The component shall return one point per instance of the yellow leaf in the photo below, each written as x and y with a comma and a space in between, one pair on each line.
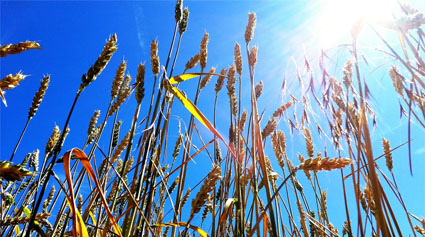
195, 112
87, 166
183, 77
81, 228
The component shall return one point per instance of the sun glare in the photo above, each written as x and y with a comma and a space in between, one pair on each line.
337, 18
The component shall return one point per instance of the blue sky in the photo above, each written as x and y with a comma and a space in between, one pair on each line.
72, 34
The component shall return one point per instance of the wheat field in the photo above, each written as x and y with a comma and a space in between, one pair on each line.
183, 142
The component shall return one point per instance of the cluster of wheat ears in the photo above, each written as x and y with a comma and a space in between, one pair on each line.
139, 190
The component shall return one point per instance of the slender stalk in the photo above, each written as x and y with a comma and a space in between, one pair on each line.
20, 139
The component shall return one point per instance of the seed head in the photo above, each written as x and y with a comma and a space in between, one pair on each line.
388, 154
207, 78
220, 80
93, 122
249, 32
119, 77
253, 56
52, 141
38, 97
203, 54
11, 81
397, 80
140, 82
154, 57
183, 22
238, 59
18, 48
178, 10
258, 89
100, 63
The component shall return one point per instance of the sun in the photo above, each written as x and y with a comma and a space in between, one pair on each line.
337, 18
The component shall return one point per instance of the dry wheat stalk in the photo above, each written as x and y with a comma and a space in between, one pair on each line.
207, 77
183, 21
18, 48
388, 154
306, 172
53, 139
302, 219
348, 74
178, 10
238, 59
242, 121
217, 151
140, 83
119, 77
65, 134
38, 97
34, 160
123, 144
177, 147
203, 54
124, 92
154, 58
420, 230
269, 128
116, 133
49, 199
323, 206
231, 89
93, 121
309, 142
317, 164
11, 81
258, 89
220, 80
185, 198
193, 61
100, 63
207, 187
249, 31
253, 56
397, 80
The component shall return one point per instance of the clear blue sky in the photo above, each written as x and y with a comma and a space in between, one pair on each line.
72, 35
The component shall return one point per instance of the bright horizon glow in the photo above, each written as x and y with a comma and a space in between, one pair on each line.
338, 17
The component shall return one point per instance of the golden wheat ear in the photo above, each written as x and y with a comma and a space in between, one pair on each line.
18, 48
